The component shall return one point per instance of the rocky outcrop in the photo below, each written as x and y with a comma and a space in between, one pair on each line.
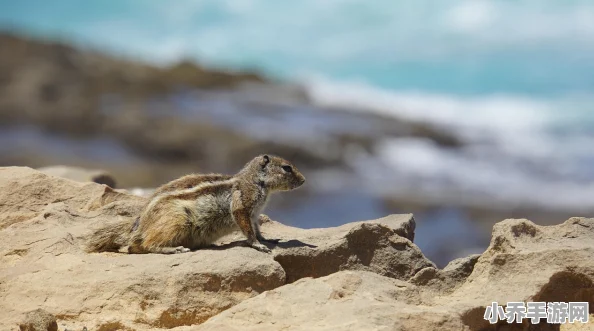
42, 261
45, 220
525, 262
383, 246
140, 116
347, 300
359, 276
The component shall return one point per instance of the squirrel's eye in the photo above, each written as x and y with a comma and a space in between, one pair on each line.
287, 168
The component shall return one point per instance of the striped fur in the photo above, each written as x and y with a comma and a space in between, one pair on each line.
195, 210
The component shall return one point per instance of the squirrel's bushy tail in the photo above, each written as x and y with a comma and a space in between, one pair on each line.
111, 237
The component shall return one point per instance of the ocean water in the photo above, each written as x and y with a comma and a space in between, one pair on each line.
461, 47
514, 79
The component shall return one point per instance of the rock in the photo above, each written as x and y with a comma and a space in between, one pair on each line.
46, 218
81, 174
359, 276
382, 246
528, 262
42, 262
346, 300
525, 262
29, 194
39, 320
450, 277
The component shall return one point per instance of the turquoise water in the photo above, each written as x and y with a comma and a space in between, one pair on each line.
468, 48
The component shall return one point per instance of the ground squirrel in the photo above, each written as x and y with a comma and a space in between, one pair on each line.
195, 210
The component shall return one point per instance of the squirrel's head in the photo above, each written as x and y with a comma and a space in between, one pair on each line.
277, 174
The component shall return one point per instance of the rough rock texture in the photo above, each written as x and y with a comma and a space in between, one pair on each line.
347, 300
26, 194
525, 262
450, 277
360, 246
359, 276
39, 320
42, 262
383, 246
44, 221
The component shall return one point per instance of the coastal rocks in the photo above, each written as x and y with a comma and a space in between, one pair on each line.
382, 246
166, 118
81, 96
100, 73
528, 262
45, 221
448, 278
347, 300
358, 276
29, 194
525, 262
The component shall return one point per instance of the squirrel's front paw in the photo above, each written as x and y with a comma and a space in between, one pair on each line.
260, 247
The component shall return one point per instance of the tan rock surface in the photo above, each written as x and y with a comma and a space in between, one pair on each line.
42, 262
379, 246
525, 262
347, 300
39, 320
370, 276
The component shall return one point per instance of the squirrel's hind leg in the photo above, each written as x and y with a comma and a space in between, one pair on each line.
169, 250
157, 250
167, 235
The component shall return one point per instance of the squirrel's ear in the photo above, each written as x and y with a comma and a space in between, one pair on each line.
265, 160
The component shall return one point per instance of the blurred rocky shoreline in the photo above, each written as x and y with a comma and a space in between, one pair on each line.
164, 122
147, 124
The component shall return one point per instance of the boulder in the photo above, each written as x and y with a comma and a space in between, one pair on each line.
524, 262
527, 262
358, 276
383, 246
45, 220
346, 300
28, 194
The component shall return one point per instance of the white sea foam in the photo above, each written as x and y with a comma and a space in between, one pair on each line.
528, 121
498, 112
514, 154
